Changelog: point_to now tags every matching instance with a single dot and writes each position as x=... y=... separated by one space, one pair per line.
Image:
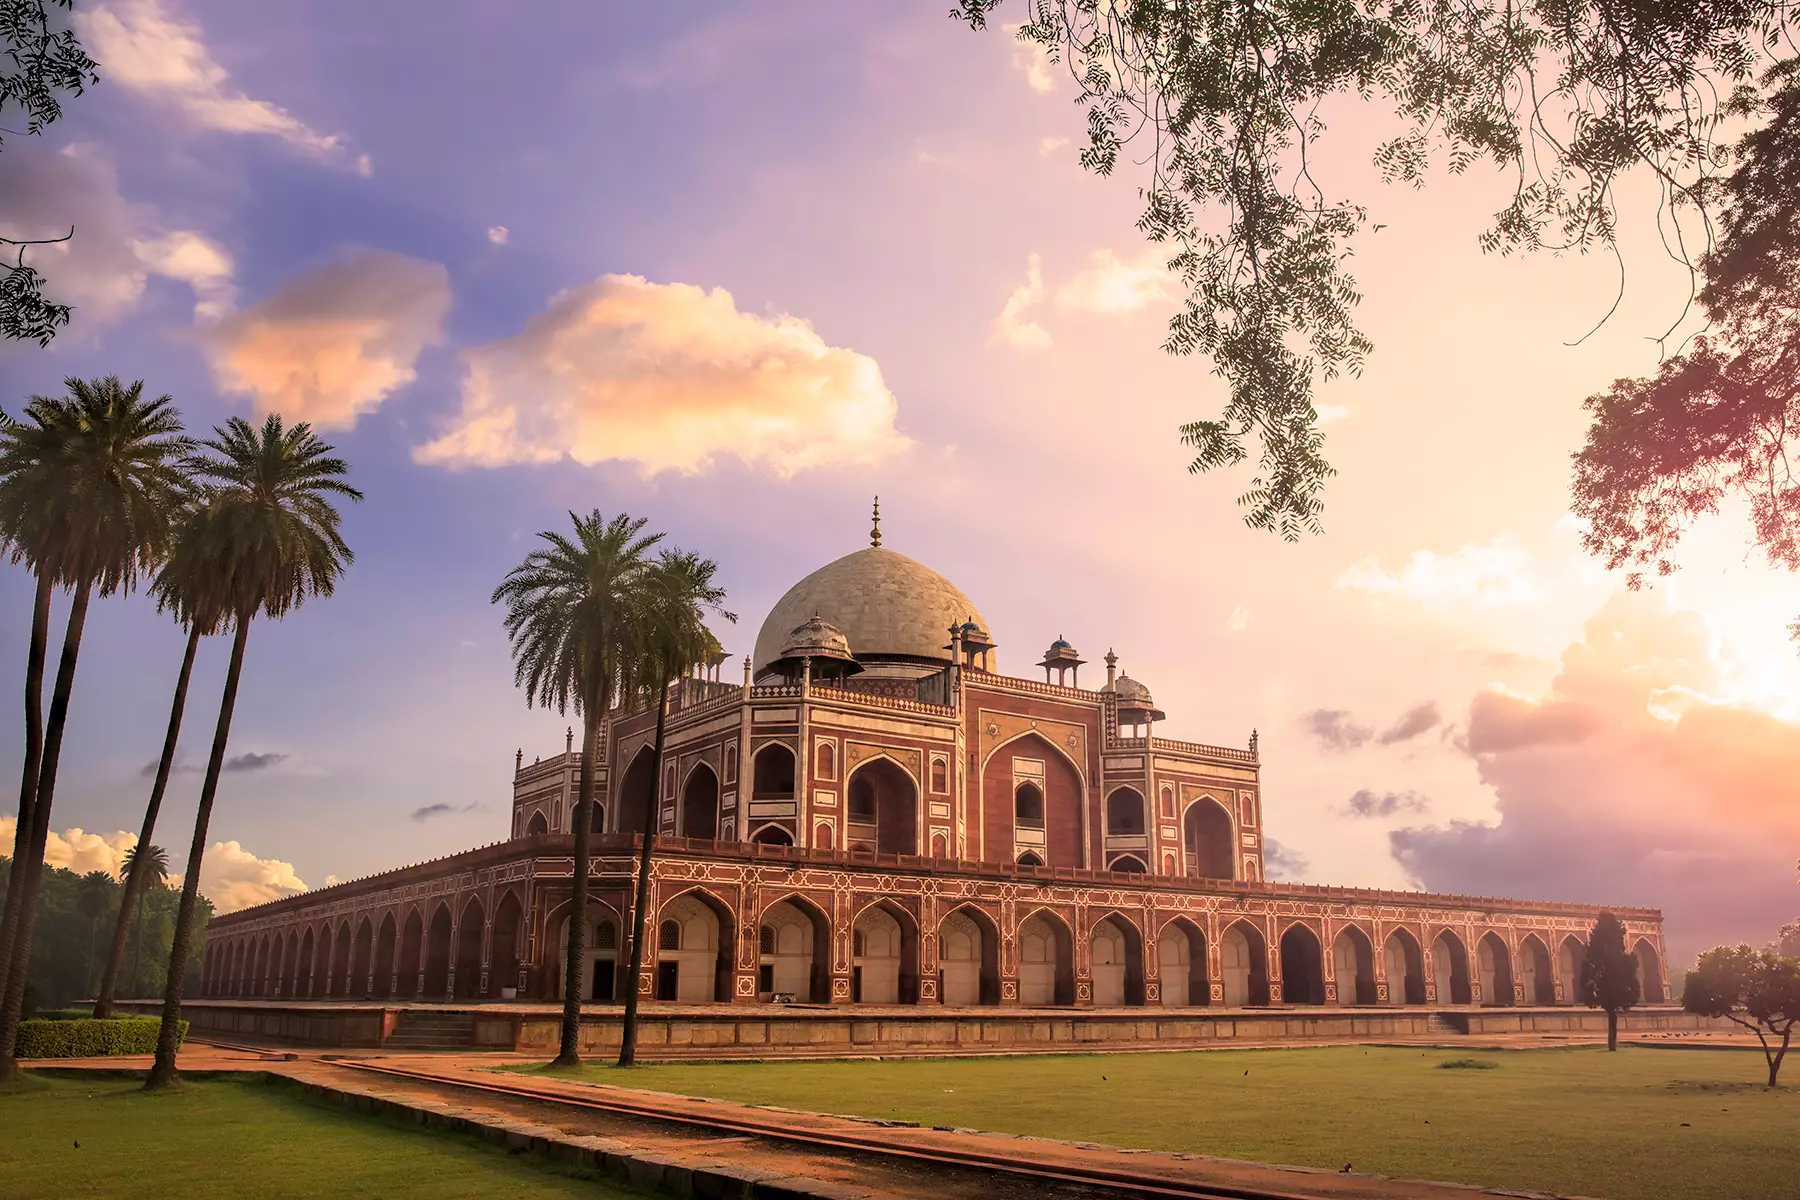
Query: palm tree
x=93 y=896
x=90 y=483
x=266 y=536
x=150 y=867
x=570 y=611
x=673 y=640
x=184 y=587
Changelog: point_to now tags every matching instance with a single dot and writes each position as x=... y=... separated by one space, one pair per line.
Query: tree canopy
x=1758 y=989
x=1609 y=974
x=41 y=58
x=1224 y=103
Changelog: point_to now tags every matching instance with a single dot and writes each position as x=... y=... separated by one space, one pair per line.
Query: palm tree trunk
x=641 y=896
x=28 y=776
x=568 y=1054
x=162 y=1074
x=40 y=833
x=140 y=875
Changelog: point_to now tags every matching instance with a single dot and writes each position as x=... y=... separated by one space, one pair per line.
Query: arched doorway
x=303 y=967
x=1569 y=957
x=1117 y=960
x=1302 y=967
x=1125 y=813
x=1046 y=961
x=259 y=975
x=384 y=959
x=794 y=953
x=437 y=954
x=637 y=793
x=1353 y=965
x=538 y=826
x=885 y=957
x=1028 y=822
x=1535 y=979
x=412 y=948
x=883 y=808
x=1405 y=969
x=1450 y=968
x=469 y=932
x=340 y=961
x=968 y=959
x=700 y=804
x=1207 y=838
x=1650 y=983
x=693 y=959
x=772 y=773
x=1181 y=965
x=322 y=964
x=1495 y=964
x=1243 y=965
x=362 y=961
x=508 y=926
x=603 y=960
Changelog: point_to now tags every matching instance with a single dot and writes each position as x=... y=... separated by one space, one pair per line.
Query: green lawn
x=1641 y=1123
x=241 y=1139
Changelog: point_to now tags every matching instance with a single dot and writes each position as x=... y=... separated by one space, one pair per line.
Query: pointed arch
x=773 y=772
x=1209 y=839
x=437 y=953
x=1450 y=967
x=1124 y=811
x=699 y=817
x=1302 y=965
x=884 y=942
x=1650 y=981
x=773 y=834
x=1494 y=961
x=1046 y=958
x=1181 y=964
x=698 y=968
x=636 y=802
x=884 y=806
x=303 y=961
x=340 y=961
x=1063 y=840
x=1353 y=966
x=412 y=953
x=384 y=958
x=538 y=826
x=795 y=950
x=1116 y=960
x=1244 y=964
x=1128 y=864
x=1570 y=952
x=471 y=928
x=1536 y=979
x=968 y=957
x=1405 y=967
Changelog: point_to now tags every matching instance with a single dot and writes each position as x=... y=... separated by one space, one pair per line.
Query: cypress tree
x=1609 y=974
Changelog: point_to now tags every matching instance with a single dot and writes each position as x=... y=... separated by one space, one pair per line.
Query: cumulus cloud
x=334 y=343
x=1494 y=574
x=1110 y=285
x=233 y=878
x=254 y=762
x=1334 y=729
x=1034 y=60
x=76 y=849
x=1014 y=325
x=145 y=46
x=1629 y=783
x=498 y=234
x=1421 y=718
x=1283 y=863
x=103 y=269
x=671 y=377
x=440 y=810
x=1370 y=803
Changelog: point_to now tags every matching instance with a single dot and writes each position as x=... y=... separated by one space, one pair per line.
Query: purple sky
x=736 y=267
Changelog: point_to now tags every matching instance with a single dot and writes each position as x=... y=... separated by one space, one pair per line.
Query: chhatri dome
x=888 y=607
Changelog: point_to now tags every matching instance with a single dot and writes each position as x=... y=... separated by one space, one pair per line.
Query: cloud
x=1051 y=145
x=197 y=261
x=669 y=376
x=334 y=343
x=181 y=766
x=439 y=810
x=1486 y=576
x=1334 y=729
x=1419 y=719
x=1283 y=863
x=254 y=762
x=103 y=269
x=1628 y=783
x=233 y=878
x=1034 y=60
x=1239 y=620
x=143 y=46
x=1013 y=326
x=76 y=849
x=1368 y=803
x=1112 y=286
x=498 y=234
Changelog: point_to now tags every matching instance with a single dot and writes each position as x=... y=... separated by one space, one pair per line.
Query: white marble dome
x=886 y=605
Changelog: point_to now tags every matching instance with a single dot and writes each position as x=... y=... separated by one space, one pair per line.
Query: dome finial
x=875 y=530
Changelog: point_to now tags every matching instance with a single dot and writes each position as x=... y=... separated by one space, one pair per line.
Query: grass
x=229 y=1139
x=1639 y=1124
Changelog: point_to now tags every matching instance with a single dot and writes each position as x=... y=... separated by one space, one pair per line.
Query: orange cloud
x=231 y=876
x=1630 y=782
x=669 y=376
x=333 y=344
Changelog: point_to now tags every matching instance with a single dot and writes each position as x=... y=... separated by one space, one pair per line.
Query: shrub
x=40 y=1038
x=1467 y=1064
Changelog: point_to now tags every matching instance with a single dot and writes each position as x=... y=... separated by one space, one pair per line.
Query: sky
x=737 y=267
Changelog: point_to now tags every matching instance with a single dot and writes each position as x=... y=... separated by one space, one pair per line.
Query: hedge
x=91 y=1039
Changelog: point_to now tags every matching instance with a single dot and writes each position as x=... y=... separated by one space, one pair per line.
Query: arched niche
x=1046 y=960
x=1650 y=982
x=1494 y=962
x=772 y=772
x=1207 y=838
x=693 y=951
x=883 y=807
x=885 y=956
x=1046 y=766
x=1536 y=979
x=1353 y=966
x=1405 y=968
x=1116 y=961
x=1450 y=968
x=1181 y=965
x=700 y=804
x=1302 y=966
x=794 y=952
x=1124 y=811
x=968 y=958
x=1244 y=965
x=637 y=793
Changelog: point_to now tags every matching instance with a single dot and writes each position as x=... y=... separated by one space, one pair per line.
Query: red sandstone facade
x=876 y=815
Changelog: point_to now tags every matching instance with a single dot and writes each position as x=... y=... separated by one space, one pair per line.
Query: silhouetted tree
x=1758 y=989
x=1609 y=974
x=1224 y=103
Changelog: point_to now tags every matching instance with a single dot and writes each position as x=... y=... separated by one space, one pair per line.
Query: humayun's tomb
x=878 y=816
